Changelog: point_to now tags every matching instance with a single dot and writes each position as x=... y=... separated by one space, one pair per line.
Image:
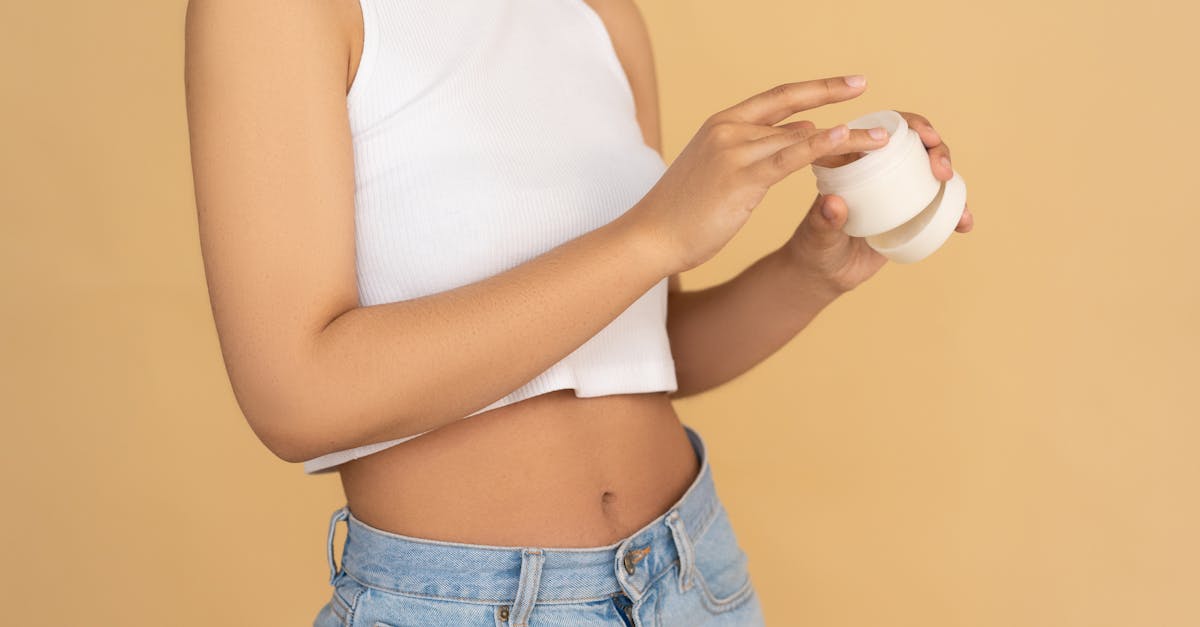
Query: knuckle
x=820 y=142
x=723 y=132
x=798 y=135
x=779 y=160
x=783 y=91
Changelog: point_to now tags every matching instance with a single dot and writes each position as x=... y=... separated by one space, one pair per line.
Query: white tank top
x=485 y=134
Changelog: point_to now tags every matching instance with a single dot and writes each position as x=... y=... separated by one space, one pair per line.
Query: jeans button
x=629 y=563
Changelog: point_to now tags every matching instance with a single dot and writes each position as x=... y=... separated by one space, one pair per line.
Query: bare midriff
x=553 y=470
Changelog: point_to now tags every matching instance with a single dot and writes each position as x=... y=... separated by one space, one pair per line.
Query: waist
x=552 y=470
x=418 y=566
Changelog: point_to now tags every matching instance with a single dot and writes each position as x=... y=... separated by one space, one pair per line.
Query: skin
x=314 y=372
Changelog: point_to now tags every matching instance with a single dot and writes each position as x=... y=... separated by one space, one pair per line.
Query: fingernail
x=855 y=80
x=839 y=132
x=946 y=162
x=877 y=133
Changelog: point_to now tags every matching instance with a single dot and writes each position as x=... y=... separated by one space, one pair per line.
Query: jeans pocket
x=721 y=566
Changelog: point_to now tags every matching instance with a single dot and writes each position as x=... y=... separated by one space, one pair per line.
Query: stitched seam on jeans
x=477 y=600
x=728 y=602
x=340 y=606
x=716 y=603
x=663 y=573
x=354 y=607
x=338 y=613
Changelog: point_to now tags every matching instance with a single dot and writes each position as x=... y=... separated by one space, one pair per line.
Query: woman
x=440 y=242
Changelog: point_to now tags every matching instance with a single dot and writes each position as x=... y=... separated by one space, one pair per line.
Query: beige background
x=1003 y=434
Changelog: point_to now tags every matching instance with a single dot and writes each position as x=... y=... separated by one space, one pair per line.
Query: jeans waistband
x=519 y=575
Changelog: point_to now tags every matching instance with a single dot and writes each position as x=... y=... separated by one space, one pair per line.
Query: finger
x=833 y=213
x=731 y=133
x=939 y=152
x=788 y=159
x=939 y=160
x=765 y=146
x=837 y=161
x=966 y=222
x=767 y=131
x=783 y=100
x=923 y=127
x=798 y=124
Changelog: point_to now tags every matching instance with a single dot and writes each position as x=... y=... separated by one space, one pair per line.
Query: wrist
x=645 y=242
x=803 y=272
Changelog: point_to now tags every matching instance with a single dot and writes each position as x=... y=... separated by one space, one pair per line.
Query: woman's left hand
x=842 y=261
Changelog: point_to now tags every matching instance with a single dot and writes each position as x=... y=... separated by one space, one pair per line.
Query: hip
x=683 y=567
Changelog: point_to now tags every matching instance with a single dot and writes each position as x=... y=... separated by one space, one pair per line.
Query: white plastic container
x=894 y=200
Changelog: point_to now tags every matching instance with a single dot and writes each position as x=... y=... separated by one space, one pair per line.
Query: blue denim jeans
x=684 y=568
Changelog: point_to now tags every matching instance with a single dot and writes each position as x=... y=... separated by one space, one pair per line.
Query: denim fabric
x=684 y=568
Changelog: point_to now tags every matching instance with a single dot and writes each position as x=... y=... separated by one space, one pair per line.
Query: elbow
x=289 y=445
x=287 y=396
x=280 y=420
x=282 y=433
x=303 y=424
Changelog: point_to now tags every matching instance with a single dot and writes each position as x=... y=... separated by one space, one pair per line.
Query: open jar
x=894 y=200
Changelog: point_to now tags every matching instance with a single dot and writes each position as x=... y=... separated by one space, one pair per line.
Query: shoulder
x=625 y=23
x=631 y=39
x=232 y=33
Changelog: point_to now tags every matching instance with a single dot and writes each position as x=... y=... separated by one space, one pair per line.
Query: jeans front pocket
x=721 y=566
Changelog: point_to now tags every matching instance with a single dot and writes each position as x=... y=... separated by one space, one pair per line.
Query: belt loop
x=527 y=586
x=339 y=515
x=683 y=546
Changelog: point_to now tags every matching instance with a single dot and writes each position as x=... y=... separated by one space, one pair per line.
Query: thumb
x=833 y=213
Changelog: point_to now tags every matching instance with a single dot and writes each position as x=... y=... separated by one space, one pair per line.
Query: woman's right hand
x=723 y=173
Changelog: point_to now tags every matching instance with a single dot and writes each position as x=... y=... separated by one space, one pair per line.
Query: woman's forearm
x=720 y=332
x=391 y=370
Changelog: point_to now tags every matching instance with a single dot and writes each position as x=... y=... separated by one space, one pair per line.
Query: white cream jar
x=893 y=198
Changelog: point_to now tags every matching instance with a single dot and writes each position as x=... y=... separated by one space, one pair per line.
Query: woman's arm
x=272 y=159
x=722 y=331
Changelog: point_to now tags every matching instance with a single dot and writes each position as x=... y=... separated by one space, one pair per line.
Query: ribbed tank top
x=485 y=134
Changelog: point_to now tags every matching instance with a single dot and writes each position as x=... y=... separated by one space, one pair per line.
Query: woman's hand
x=709 y=190
x=843 y=262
